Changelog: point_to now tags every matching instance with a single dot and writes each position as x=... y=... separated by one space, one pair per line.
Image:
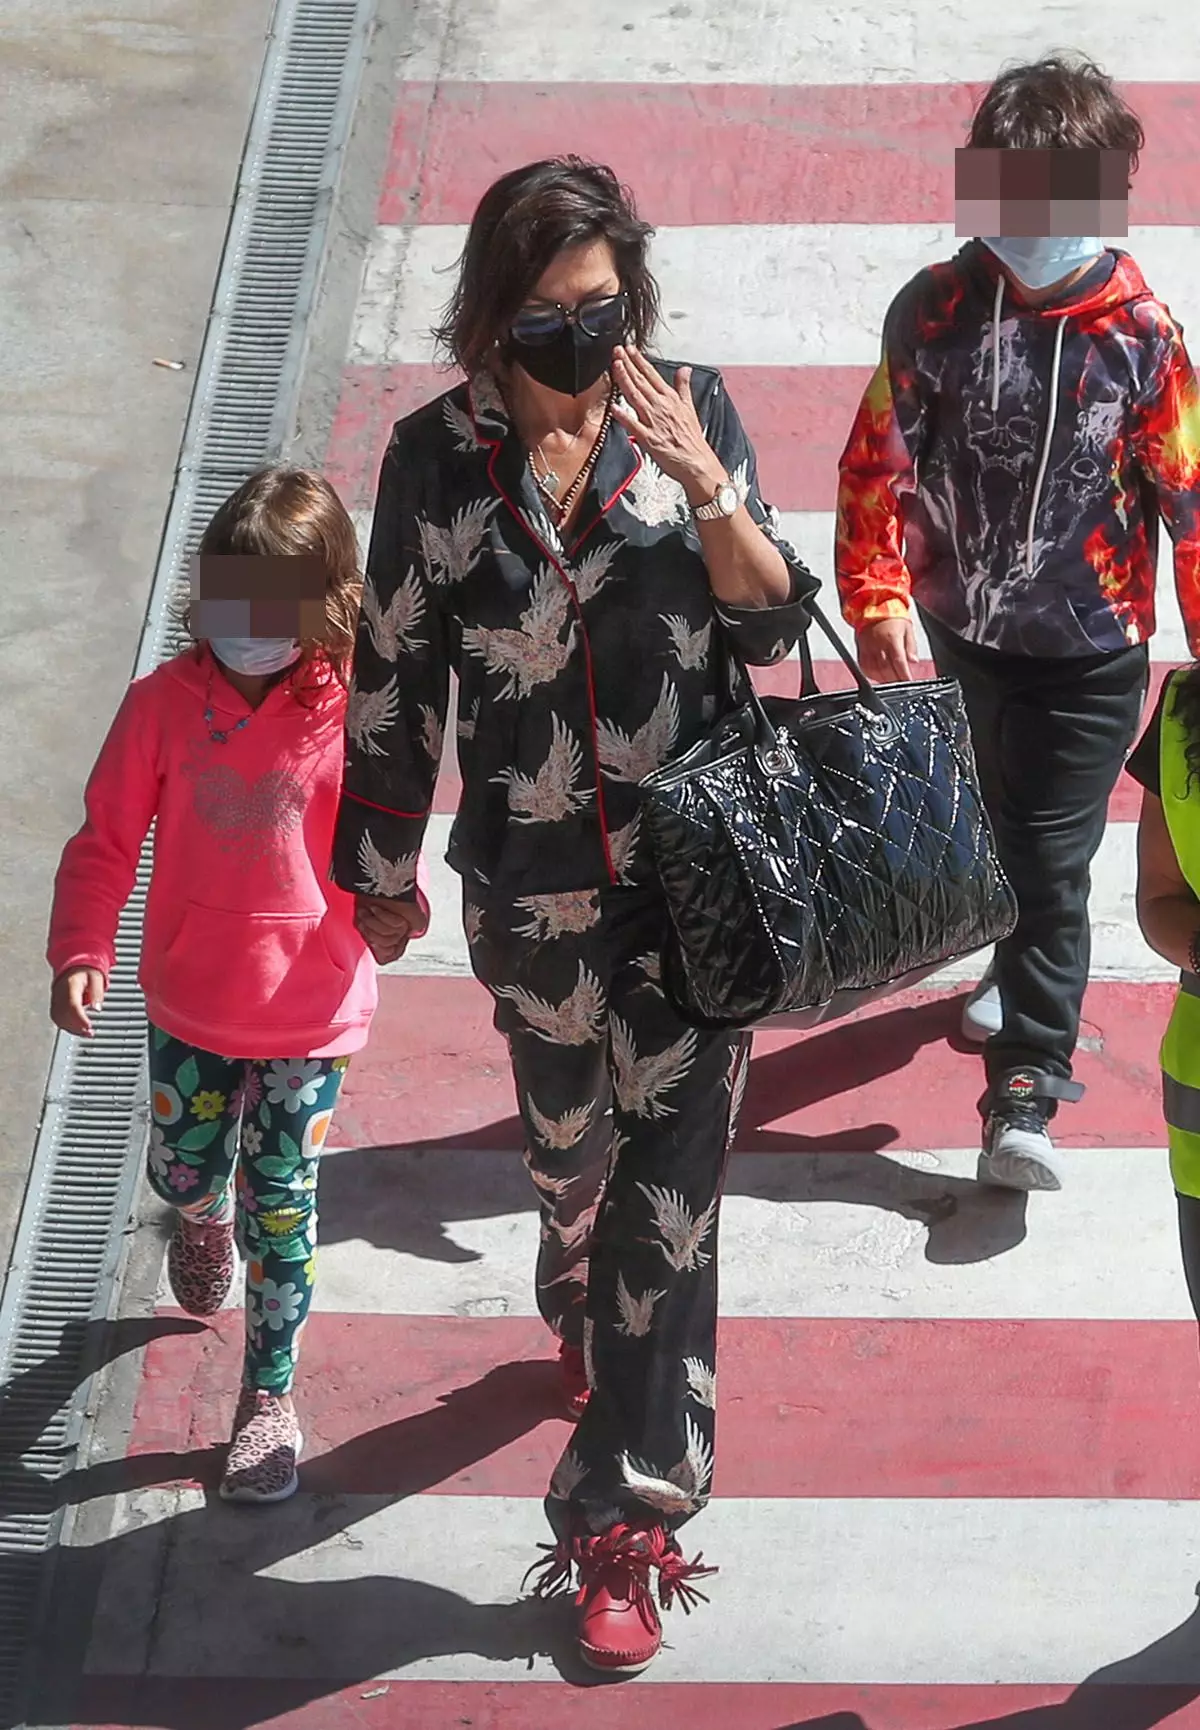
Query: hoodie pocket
x=242 y=969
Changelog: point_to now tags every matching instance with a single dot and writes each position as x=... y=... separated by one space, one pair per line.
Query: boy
x=1034 y=413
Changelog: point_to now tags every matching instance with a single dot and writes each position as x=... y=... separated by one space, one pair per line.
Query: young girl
x=234 y=751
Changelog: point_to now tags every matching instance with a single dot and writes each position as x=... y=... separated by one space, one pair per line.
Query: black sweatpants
x=629 y=1116
x=1050 y=739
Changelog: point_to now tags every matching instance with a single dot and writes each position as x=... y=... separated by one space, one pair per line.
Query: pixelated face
x=1041 y=193
x=247 y=595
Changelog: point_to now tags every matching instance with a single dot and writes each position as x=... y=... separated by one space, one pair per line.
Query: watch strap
x=712 y=512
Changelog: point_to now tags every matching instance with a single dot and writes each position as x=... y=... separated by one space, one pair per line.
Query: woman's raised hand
x=662 y=419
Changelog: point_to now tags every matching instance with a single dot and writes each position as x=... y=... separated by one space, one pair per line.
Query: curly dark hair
x=522 y=223
x=1060 y=101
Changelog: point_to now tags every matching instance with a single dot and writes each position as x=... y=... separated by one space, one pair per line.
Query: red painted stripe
x=798 y=418
x=469 y=1407
x=713 y=153
x=214 y=1703
x=436 y=1074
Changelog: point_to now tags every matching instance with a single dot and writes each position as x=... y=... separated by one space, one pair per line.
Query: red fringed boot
x=619 y=1627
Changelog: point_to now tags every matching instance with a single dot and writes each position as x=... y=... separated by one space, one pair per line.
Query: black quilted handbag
x=819 y=853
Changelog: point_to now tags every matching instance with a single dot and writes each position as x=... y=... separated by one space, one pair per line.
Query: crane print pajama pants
x=629 y=1117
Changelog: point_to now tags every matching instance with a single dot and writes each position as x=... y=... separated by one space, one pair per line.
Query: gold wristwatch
x=724 y=503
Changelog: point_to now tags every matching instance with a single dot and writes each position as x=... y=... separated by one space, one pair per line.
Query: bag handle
x=774 y=755
x=808 y=679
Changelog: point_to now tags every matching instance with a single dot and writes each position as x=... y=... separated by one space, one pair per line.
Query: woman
x=1166 y=763
x=577 y=533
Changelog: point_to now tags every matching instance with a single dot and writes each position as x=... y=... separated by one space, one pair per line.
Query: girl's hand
x=663 y=420
x=386 y=926
x=72 y=995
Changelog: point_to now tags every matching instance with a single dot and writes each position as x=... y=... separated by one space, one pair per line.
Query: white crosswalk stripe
x=790 y=295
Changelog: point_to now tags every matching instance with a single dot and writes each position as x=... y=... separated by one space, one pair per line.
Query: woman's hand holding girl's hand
x=386 y=926
x=72 y=995
x=662 y=419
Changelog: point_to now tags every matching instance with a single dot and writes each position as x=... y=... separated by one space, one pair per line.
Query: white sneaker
x=1018 y=1152
x=983 y=1013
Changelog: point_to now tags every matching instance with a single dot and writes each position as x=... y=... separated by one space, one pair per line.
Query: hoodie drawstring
x=1051 y=417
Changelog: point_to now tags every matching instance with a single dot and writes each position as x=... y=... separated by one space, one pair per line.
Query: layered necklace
x=547 y=482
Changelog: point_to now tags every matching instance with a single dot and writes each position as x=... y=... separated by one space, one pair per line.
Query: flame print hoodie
x=249 y=950
x=1008 y=466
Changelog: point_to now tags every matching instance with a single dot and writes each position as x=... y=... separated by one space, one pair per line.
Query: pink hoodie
x=249 y=947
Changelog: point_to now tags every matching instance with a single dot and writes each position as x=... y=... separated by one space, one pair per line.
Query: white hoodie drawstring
x=1051 y=417
x=996 y=310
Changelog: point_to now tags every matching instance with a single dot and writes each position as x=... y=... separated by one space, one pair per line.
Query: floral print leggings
x=264 y=1121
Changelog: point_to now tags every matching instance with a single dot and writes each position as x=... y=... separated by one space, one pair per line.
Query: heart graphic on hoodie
x=251 y=816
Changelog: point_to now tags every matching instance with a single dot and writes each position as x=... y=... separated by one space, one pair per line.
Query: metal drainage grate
x=89 y=1148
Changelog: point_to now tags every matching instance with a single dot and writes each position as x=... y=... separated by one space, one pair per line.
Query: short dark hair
x=522 y=223
x=1060 y=101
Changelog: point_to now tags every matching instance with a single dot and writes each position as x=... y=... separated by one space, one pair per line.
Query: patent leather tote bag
x=819 y=853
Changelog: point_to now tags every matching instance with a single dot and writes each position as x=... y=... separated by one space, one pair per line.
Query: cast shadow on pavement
x=1134 y=1693
x=197 y=1585
x=402 y=1197
x=410 y=1456
x=30 y=1400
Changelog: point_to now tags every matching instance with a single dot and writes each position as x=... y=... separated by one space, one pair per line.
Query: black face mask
x=571 y=363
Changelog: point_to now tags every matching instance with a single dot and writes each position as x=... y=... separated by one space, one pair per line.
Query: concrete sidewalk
x=123 y=130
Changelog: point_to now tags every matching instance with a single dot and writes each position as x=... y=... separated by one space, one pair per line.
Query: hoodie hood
x=1096 y=293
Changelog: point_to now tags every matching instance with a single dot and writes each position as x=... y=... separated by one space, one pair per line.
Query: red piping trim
x=587 y=655
x=609 y=503
x=413 y=816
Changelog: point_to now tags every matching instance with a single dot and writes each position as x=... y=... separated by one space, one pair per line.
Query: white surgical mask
x=255 y=656
x=1037 y=262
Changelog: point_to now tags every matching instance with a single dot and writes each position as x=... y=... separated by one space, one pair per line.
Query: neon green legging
x=1180 y=1057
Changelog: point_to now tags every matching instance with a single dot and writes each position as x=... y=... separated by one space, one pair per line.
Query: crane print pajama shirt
x=581 y=668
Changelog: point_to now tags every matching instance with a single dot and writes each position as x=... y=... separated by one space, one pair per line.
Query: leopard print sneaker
x=200 y=1264
x=261 y=1466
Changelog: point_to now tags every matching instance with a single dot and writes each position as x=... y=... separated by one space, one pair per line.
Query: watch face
x=728 y=499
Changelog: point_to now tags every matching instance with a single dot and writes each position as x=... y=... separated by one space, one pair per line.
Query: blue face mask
x=255 y=656
x=1038 y=262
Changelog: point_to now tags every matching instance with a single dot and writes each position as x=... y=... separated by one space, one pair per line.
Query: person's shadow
x=403 y=1197
x=407 y=1199
x=116 y=1585
x=1134 y=1693
x=30 y=1400
x=391 y=1623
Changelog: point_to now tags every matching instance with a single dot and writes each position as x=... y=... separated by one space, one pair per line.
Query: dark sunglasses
x=535 y=325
